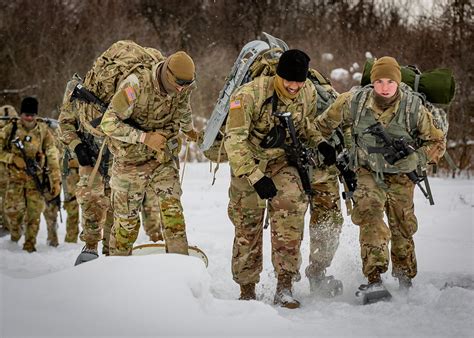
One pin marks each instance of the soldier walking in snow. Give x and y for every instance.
(6, 111)
(27, 147)
(383, 179)
(259, 173)
(145, 115)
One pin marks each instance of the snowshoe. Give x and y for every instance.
(372, 293)
(86, 255)
(327, 286)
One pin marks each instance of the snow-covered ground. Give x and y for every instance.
(42, 294)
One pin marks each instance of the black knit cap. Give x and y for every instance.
(29, 105)
(293, 65)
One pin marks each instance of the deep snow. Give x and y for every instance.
(42, 294)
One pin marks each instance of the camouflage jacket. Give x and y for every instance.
(250, 119)
(39, 145)
(140, 105)
(430, 139)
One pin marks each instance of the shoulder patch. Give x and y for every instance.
(235, 104)
(130, 94)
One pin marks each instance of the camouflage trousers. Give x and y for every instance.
(326, 221)
(71, 205)
(286, 212)
(96, 213)
(50, 214)
(374, 235)
(129, 183)
(23, 206)
(151, 216)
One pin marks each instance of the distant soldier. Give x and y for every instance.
(383, 183)
(5, 111)
(260, 174)
(143, 120)
(27, 147)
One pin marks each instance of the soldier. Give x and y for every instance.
(94, 196)
(259, 174)
(383, 187)
(24, 199)
(155, 104)
(6, 111)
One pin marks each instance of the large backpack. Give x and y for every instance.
(109, 70)
(265, 65)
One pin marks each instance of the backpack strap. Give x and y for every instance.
(12, 134)
(357, 106)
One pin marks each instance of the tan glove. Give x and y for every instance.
(55, 188)
(154, 140)
(19, 162)
(73, 163)
(193, 135)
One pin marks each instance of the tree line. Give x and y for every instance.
(45, 42)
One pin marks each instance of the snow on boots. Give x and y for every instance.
(284, 296)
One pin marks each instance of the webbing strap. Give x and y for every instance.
(417, 82)
(96, 166)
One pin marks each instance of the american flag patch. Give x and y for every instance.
(130, 93)
(235, 104)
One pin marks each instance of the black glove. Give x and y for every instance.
(328, 152)
(265, 188)
(83, 155)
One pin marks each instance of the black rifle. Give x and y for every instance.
(299, 155)
(395, 149)
(81, 93)
(349, 177)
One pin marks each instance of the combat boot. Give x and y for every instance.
(156, 237)
(247, 292)
(404, 283)
(53, 240)
(4, 231)
(325, 286)
(29, 247)
(283, 294)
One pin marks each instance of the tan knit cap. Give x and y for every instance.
(181, 66)
(386, 68)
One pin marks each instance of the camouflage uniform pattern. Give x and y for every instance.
(51, 210)
(394, 195)
(94, 200)
(326, 220)
(23, 202)
(151, 216)
(247, 124)
(70, 203)
(136, 168)
(4, 111)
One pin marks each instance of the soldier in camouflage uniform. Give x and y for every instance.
(24, 201)
(93, 191)
(155, 104)
(259, 174)
(384, 188)
(6, 111)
